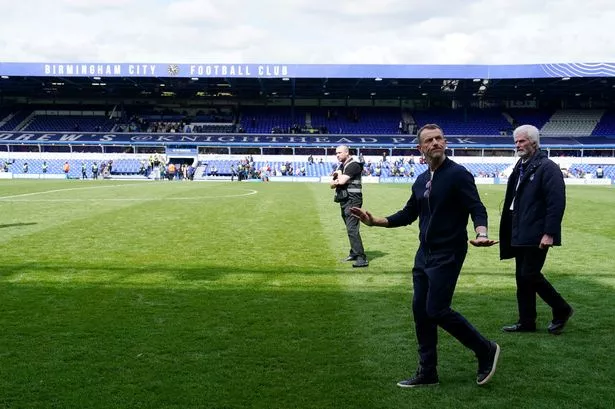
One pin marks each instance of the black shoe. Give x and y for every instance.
(350, 258)
(419, 380)
(557, 326)
(486, 367)
(519, 328)
(361, 262)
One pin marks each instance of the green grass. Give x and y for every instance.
(220, 295)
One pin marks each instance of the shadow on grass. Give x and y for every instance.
(113, 346)
(161, 348)
(375, 254)
(85, 273)
(3, 226)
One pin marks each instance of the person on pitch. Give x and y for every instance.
(443, 198)
(531, 223)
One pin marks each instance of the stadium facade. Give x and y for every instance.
(206, 114)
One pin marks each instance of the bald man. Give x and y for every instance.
(346, 181)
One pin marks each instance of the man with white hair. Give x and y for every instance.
(531, 223)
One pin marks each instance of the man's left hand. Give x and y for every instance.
(546, 241)
(483, 242)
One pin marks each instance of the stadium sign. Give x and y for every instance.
(192, 70)
(154, 70)
(454, 141)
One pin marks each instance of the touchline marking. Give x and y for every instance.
(19, 198)
(66, 190)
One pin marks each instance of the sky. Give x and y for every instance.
(308, 31)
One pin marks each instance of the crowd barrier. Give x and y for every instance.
(307, 179)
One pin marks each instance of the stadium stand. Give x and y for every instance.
(324, 169)
(205, 127)
(266, 120)
(606, 125)
(581, 170)
(16, 119)
(214, 122)
(72, 123)
(356, 121)
(536, 117)
(120, 166)
(465, 122)
(375, 121)
(4, 113)
(310, 120)
(572, 122)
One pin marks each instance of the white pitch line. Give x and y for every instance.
(250, 193)
(18, 198)
(66, 190)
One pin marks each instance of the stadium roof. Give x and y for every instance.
(333, 88)
(257, 81)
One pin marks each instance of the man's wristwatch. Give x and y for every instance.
(485, 235)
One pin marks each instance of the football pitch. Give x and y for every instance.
(232, 295)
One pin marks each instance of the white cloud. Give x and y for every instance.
(308, 31)
(196, 11)
(93, 5)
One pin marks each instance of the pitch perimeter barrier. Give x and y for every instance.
(306, 179)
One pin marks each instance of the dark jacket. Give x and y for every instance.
(539, 205)
(443, 214)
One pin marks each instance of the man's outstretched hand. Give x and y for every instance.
(363, 215)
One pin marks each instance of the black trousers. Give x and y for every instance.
(530, 281)
(352, 228)
(434, 278)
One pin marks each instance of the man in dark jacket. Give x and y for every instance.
(531, 223)
(443, 197)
